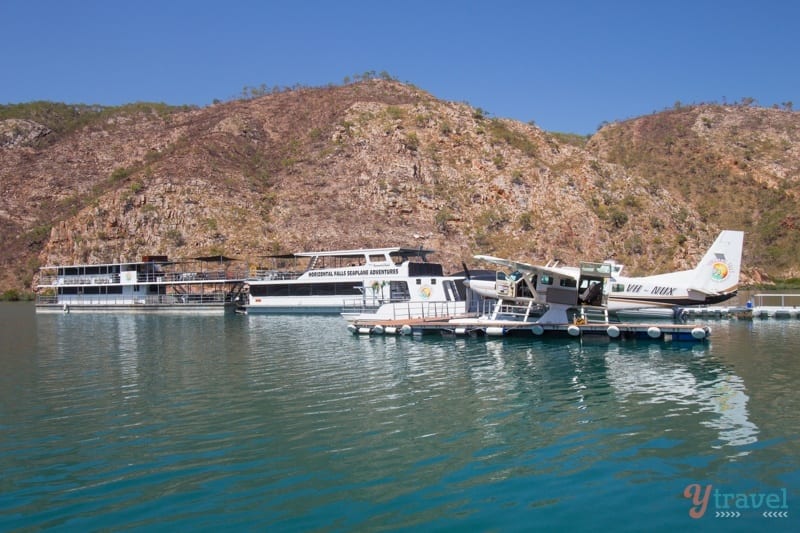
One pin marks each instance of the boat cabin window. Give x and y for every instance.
(345, 288)
(114, 289)
(545, 279)
(399, 290)
(425, 269)
(378, 259)
(568, 282)
(449, 290)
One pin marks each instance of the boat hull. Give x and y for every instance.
(194, 309)
(297, 309)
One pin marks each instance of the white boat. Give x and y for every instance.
(350, 282)
(154, 284)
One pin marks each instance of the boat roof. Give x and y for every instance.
(359, 252)
(216, 259)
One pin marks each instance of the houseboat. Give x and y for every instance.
(350, 281)
(154, 284)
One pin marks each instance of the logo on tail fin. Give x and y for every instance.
(719, 271)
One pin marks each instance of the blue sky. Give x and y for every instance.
(566, 65)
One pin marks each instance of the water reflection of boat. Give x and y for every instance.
(720, 396)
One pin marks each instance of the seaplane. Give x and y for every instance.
(557, 294)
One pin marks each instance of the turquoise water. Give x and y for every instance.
(291, 424)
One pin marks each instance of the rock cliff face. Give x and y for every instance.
(380, 163)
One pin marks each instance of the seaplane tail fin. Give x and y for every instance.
(718, 271)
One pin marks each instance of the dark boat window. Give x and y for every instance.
(398, 290)
(345, 288)
(300, 289)
(425, 269)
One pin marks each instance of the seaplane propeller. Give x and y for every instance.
(466, 270)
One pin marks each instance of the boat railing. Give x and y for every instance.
(267, 274)
(143, 277)
(99, 279)
(776, 300)
(405, 309)
(150, 299)
(517, 312)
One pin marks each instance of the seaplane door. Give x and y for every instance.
(512, 285)
(593, 284)
(502, 286)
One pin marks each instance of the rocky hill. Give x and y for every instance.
(378, 163)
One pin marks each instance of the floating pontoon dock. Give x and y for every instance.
(765, 305)
(497, 328)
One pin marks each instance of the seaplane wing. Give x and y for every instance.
(528, 268)
(508, 263)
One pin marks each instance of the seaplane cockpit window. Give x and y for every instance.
(501, 276)
(515, 276)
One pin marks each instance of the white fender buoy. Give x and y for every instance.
(461, 331)
(654, 332)
(574, 330)
(352, 328)
(390, 330)
(364, 330)
(537, 330)
(495, 331)
(405, 330)
(378, 330)
(698, 333)
(613, 331)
